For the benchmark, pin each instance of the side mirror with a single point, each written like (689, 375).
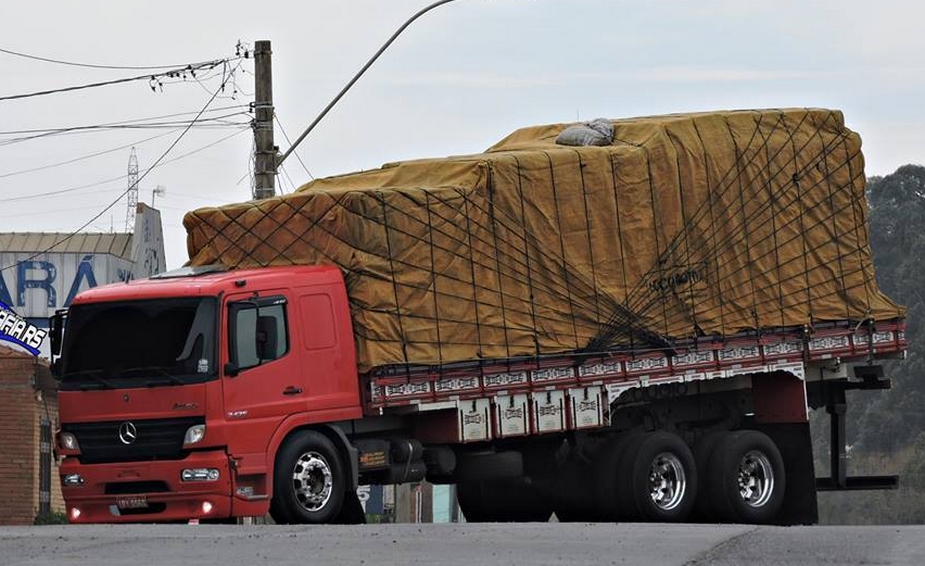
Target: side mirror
(266, 337)
(57, 331)
(231, 369)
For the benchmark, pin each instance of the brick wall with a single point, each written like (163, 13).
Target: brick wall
(26, 394)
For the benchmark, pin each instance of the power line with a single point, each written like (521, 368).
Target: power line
(120, 177)
(174, 193)
(152, 78)
(51, 211)
(297, 156)
(84, 157)
(287, 177)
(119, 198)
(133, 121)
(218, 122)
(62, 191)
(91, 65)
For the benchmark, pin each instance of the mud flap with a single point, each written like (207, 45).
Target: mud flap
(796, 448)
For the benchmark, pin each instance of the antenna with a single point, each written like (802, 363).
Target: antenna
(132, 194)
(158, 190)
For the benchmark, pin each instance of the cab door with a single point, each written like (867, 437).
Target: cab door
(261, 380)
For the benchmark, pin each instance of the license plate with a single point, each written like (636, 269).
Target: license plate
(139, 502)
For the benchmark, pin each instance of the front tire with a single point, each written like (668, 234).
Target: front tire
(308, 483)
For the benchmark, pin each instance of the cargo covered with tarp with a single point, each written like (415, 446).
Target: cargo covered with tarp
(693, 225)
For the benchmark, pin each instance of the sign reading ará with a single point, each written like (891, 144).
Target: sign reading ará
(13, 328)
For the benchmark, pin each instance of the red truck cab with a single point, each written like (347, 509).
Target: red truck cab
(176, 391)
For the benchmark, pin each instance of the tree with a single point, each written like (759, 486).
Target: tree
(886, 430)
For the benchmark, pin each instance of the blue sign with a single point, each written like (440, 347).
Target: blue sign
(15, 329)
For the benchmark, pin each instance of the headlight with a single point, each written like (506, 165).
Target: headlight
(68, 441)
(194, 434)
(200, 474)
(72, 480)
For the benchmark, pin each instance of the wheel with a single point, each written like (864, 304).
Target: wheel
(308, 483)
(661, 483)
(747, 478)
(703, 452)
(509, 500)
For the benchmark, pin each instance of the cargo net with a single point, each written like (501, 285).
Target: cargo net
(686, 227)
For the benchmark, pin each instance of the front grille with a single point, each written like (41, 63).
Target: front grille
(135, 487)
(155, 439)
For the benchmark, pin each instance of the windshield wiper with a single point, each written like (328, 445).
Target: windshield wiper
(160, 371)
(95, 374)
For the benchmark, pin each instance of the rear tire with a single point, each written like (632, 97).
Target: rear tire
(661, 483)
(747, 478)
(309, 482)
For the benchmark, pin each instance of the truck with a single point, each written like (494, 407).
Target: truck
(629, 331)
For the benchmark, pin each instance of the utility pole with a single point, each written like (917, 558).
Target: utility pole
(266, 151)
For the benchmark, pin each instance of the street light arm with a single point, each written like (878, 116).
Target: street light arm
(357, 77)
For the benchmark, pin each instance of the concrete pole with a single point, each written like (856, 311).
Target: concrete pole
(266, 151)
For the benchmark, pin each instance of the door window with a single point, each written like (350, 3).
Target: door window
(258, 331)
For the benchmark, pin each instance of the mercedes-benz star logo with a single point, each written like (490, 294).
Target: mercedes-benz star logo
(127, 432)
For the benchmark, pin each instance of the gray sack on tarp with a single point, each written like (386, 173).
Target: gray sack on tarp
(596, 132)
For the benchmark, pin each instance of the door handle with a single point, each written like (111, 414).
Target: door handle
(292, 390)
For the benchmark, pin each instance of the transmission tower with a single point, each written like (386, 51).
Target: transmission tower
(132, 192)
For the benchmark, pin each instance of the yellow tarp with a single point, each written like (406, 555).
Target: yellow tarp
(688, 225)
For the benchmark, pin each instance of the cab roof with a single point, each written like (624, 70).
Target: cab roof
(187, 282)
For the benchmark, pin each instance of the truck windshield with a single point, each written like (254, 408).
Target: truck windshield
(139, 343)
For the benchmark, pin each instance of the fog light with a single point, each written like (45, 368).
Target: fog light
(206, 507)
(75, 513)
(245, 491)
(200, 474)
(69, 441)
(72, 480)
(194, 434)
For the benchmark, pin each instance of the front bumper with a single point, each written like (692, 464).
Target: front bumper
(155, 483)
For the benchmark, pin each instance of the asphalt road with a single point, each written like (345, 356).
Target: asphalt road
(532, 544)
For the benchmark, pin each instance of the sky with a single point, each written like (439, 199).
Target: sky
(456, 81)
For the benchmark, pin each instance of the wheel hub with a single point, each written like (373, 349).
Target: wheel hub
(755, 479)
(312, 480)
(667, 481)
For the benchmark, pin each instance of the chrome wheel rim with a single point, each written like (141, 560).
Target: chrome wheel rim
(667, 481)
(312, 480)
(755, 479)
